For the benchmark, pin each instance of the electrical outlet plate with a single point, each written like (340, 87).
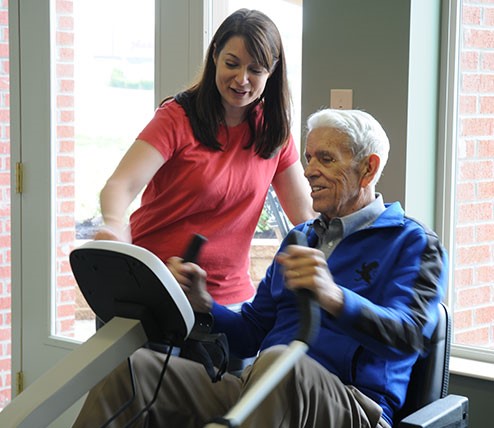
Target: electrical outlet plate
(341, 99)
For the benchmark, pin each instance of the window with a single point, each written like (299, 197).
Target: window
(469, 192)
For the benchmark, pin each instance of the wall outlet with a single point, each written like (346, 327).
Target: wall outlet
(341, 99)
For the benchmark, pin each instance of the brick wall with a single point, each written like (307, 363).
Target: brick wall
(5, 274)
(65, 179)
(474, 260)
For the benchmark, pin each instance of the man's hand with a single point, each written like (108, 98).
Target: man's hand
(192, 279)
(306, 267)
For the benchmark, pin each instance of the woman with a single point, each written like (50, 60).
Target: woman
(208, 157)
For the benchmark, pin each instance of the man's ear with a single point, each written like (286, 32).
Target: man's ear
(370, 168)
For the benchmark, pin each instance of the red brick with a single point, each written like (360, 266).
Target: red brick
(486, 105)
(65, 38)
(65, 70)
(463, 277)
(471, 15)
(488, 19)
(66, 238)
(5, 364)
(473, 255)
(469, 60)
(471, 297)
(485, 275)
(486, 149)
(478, 336)
(462, 319)
(65, 23)
(66, 327)
(66, 85)
(476, 170)
(67, 296)
(65, 55)
(5, 302)
(468, 104)
(65, 161)
(65, 101)
(67, 207)
(66, 146)
(64, 6)
(478, 38)
(5, 334)
(65, 191)
(66, 177)
(464, 235)
(470, 83)
(64, 267)
(475, 212)
(485, 233)
(487, 61)
(65, 221)
(486, 190)
(484, 315)
(65, 310)
(476, 127)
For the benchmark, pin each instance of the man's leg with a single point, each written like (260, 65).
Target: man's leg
(309, 396)
(187, 397)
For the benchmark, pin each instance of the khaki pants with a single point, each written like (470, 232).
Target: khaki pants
(309, 396)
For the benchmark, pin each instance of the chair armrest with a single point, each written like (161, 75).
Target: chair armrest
(450, 411)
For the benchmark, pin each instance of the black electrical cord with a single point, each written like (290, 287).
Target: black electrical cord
(129, 402)
(156, 391)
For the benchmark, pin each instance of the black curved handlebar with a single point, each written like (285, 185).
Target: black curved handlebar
(310, 314)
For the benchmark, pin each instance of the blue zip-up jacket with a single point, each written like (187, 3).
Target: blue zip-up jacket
(393, 274)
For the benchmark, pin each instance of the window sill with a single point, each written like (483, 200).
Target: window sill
(471, 368)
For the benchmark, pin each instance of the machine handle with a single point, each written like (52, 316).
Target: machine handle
(195, 245)
(310, 314)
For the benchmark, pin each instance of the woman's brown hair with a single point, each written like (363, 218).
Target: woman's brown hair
(202, 102)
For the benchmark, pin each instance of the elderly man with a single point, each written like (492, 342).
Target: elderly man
(377, 275)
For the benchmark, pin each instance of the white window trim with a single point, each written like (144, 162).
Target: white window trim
(471, 368)
(465, 361)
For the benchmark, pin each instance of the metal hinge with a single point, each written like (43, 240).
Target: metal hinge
(19, 177)
(19, 382)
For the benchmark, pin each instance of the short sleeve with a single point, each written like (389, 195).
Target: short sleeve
(288, 155)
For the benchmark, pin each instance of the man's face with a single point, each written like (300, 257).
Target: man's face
(333, 174)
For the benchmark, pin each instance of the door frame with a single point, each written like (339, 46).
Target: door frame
(34, 348)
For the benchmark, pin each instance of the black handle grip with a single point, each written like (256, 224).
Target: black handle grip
(195, 245)
(310, 314)
(203, 321)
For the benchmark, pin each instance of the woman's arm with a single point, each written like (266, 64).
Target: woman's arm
(293, 191)
(134, 171)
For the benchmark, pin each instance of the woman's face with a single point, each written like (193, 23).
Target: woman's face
(240, 80)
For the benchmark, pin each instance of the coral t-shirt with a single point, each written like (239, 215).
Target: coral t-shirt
(218, 194)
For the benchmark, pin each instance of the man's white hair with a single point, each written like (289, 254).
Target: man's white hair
(365, 134)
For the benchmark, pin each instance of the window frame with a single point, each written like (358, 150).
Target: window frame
(466, 360)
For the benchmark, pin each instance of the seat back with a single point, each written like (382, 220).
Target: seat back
(429, 380)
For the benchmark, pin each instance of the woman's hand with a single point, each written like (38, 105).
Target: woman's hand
(113, 234)
(192, 280)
